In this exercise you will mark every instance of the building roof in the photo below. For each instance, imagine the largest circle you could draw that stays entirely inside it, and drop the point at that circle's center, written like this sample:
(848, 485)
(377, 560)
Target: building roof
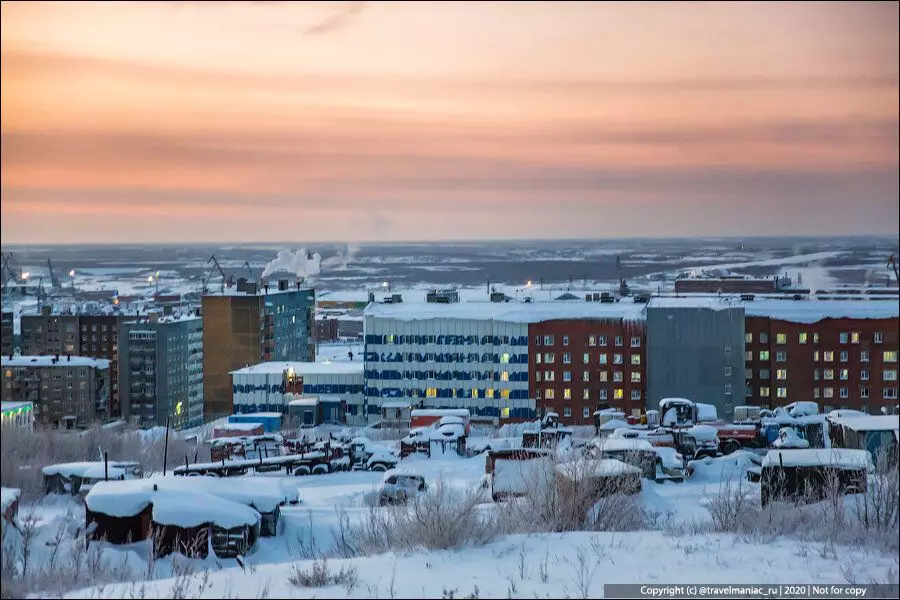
(304, 368)
(518, 312)
(5, 406)
(52, 361)
(812, 311)
(870, 422)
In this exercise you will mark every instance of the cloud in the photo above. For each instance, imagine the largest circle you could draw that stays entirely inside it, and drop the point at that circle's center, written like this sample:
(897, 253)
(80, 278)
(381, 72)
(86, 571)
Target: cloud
(337, 20)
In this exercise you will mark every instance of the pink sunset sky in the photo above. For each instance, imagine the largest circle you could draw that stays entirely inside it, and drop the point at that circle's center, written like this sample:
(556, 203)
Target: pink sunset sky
(333, 121)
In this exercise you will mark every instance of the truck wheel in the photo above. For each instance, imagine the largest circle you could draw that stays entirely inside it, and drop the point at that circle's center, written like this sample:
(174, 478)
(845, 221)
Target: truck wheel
(320, 469)
(378, 467)
(302, 470)
(730, 447)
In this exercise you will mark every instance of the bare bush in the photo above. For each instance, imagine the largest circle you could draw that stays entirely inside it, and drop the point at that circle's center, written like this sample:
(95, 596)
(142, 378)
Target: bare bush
(878, 510)
(438, 519)
(319, 575)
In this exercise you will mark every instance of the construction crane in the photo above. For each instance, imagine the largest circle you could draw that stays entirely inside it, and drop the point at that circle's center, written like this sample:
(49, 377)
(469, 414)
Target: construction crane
(54, 282)
(217, 266)
(892, 262)
(624, 290)
(246, 265)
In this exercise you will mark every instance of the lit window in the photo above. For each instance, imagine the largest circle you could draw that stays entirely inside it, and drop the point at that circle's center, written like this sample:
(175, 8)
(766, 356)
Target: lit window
(618, 394)
(829, 393)
(748, 356)
(635, 377)
(548, 393)
(586, 395)
(854, 337)
(890, 375)
(802, 338)
(748, 338)
(537, 359)
(390, 339)
(635, 359)
(845, 374)
(567, 394)
(816, 393)
(781, 374)
(549, 375)
(764, 391)
(829, 356)
(475, 392)
(537, 376)
(504, 376)
(782, 392)
(889, 356)
(549, 358)
(489, 393)
(586, 376)
(604, 376)
(763, 355)
(828, 373)
(586, 358)
(592, 340)
(431, 392)
(504, 358)
(781, 338)
(504, 394)
(504, 412)
(603, 359)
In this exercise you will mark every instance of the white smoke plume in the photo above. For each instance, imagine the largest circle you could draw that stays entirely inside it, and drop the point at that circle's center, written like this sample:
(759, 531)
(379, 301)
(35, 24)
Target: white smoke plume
(339, 261)
(301, 263)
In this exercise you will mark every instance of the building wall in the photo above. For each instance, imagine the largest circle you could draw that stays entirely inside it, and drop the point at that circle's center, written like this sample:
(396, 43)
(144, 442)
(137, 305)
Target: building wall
(7, 335)
(50, 334)
(137, 377)
(695, 353)
(326, 330)
(99, 338)
(264, 392)
(59, 390)
(599, 352)
(480, 364)
(835, 362)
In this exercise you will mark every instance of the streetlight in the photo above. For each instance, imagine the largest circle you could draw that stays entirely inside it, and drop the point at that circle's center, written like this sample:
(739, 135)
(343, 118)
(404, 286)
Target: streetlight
(25, 275)
(386, 285)
(72, 277)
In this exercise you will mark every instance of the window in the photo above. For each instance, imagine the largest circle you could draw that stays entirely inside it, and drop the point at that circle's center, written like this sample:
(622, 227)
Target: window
(617, 359)
(504, 376)
(603, 359)
(728, 389)
(567, 358)
(538, 394)
(586, 395)
(567, 375)
(635, 342)
(864, 375)
(879, 337)
(748, 356)
(815, 338)
(845, 337)
(601, 340)
(816, 355)
(619, 340)
(889, 394)
(548, 340)
(537, 359)
(781, 374)
(889, 356)
(781, 356)
(586, 376)
(603, 394)
(727, 371)
(765, 374)
(603, 376)
(802, 337)
(748, 338)
(567, 394)
(549, 375)
(863, 392)
(845, 393)
(635, 377)
(617, 376)
(781, 392)
(748, 373)
(565, 340)
(816, 393)
(489, 393)
(504, 358)
(592, 340)
(474, 392)
(781, 338)
(854, 337)
(585, 412)
(567, 412)
(829, 392)
(864, 356)
(764, 338)
(764, 391)
(618, 394)
(635, 394)
(586, 358)
(727, 352)
(635, 359)
(844, 374)
(890, 375)
(829, 373)
(845, 356)
(763, 355)
(829, 356)
(548, 394)
(549, 358)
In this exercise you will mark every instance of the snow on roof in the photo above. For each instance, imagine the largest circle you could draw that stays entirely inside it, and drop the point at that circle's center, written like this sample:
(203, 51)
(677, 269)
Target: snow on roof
(835, 457)
(176, 507)
(440, 412)
(53, 361)
(812, 311)
(532, 312)
(8, 496)
(703, 432)
(257, 415)
(239, 426)
(310, 401)
(614, 424)
(79, 468)
(870, 422)
(304, 368)
(605, 467)
(706, 412)
(615, 444)
(691, 301)
(5, 406)
(396, 404)
(404, 471)
(99, 471)
(448, 431)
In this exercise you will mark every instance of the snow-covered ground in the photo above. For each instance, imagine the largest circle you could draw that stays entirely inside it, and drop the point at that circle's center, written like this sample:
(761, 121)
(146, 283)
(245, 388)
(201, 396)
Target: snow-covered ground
(574, 564)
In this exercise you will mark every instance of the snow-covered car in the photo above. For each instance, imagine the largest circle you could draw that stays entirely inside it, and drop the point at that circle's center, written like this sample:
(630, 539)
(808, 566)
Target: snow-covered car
(399, 485)
(788, 438)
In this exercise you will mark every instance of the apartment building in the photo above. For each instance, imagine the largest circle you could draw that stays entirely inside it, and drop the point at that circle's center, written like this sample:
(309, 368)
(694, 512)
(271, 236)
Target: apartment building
(162, 370)
(578, 364)
(66, 391)
(839, 353)
(244, 326)
(50, 334)
(7, 333)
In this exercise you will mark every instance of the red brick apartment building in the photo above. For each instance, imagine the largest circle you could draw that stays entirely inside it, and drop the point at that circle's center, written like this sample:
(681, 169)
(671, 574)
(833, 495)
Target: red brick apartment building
(839, 362)
(576, 364)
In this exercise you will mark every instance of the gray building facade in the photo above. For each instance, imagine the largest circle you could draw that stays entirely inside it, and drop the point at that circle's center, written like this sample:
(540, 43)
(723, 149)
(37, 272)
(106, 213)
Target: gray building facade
(161, 375)
(7, 334)
(695, 350)
(50, 334)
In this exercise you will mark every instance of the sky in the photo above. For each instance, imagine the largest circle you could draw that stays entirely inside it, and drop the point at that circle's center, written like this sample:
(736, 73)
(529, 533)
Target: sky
(388, 121)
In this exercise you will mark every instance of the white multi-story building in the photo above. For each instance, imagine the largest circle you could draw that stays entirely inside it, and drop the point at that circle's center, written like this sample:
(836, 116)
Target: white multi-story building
(268, 387)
